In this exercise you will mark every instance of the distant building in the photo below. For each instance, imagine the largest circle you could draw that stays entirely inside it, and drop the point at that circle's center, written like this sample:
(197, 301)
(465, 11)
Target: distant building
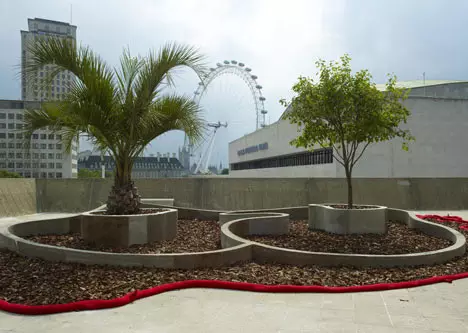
(144, 167)
(439, 114)
(45, 158)
(34, 88)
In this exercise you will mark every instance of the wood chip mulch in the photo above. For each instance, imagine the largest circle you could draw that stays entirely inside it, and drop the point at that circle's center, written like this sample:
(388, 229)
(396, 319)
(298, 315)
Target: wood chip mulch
(34, 281)
(192, 236)
(399, 239)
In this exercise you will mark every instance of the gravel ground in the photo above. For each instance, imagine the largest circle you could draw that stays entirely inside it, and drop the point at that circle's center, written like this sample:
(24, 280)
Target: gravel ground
(192, 236)
(399, 240)
(34, 281)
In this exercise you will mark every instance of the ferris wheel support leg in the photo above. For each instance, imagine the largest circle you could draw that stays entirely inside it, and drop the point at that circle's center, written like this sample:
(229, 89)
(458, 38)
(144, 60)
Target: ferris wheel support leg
(210, 150)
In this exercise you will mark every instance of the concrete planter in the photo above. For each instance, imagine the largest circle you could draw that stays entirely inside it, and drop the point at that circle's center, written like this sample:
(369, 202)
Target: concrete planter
(125, 230)
(370, 220)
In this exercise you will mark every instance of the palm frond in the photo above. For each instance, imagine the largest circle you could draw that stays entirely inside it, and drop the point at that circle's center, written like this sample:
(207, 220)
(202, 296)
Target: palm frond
(168, 113)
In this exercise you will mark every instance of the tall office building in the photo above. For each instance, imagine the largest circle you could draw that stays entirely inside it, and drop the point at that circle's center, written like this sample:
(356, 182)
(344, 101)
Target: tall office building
(47, 157)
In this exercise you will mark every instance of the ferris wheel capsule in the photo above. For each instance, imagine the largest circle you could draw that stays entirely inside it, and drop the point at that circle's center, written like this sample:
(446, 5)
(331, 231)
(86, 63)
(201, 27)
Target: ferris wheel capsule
(241, 64)
(233, 62)
(262, 98)
(258, 86)
(226, 62)
(264, 111)
(212, 69)
(219, 64)
(247, 69)
(254, 77)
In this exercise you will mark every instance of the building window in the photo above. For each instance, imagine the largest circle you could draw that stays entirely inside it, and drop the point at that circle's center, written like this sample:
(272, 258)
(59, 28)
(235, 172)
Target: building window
(35, 136)
(2, 115)
(11, 165)
(51, 136)
(58, 175)
(19, 165)
(27, 165)
(43, 174)
(43, 156)
(43, 136)
(58, 137)
(2, 125)
(3, 145)
(11, 154)
(35, 165)
(58, 165)
(19, 136)
(319, 156)
(36, 156)
(28, 155)
(19, 116)
(43, 146)
(19, 155)
(51, 146)
(58, 146)
(11, 135)
(19, 145)
(11, 126)
(43, 165)
(51, 165)
(2, 136)
(2, 165)
(11, 145)
(11, 116)
(2, 154)
(35, 146)
(50, 156)
(50, 175)
(19, 126)
(58, 156)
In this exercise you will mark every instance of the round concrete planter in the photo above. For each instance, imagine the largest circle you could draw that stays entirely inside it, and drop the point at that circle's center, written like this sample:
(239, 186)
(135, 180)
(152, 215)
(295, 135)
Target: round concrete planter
(369, 220)
(125, 230)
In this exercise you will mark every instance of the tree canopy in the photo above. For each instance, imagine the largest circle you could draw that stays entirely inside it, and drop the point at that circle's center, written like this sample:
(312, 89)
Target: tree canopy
(121, 110)
(346, 112)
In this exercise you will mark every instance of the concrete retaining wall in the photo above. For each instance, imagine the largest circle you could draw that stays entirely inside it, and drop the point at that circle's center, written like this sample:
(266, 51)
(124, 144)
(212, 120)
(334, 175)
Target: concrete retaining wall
(226, 194)
(17, 196)
(235, 248)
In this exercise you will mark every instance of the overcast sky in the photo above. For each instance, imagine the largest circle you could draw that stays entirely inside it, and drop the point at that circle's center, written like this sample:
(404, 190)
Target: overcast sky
(279, 40)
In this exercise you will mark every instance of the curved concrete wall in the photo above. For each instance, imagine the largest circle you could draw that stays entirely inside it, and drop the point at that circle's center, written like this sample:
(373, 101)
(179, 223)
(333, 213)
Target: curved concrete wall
(235, 247)
(348, 221)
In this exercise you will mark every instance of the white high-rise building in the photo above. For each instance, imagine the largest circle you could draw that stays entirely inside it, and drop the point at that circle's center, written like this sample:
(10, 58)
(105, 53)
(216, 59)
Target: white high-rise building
(47, 157)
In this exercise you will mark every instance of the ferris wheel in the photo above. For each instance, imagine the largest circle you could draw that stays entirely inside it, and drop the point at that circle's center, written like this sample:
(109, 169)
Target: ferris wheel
(240, 70)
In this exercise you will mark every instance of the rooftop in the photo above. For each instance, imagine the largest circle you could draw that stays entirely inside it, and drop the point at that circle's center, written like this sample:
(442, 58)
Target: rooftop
(419, 83)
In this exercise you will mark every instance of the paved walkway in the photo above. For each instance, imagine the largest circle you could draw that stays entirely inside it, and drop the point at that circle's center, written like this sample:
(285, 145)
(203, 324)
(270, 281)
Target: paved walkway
(435, 308)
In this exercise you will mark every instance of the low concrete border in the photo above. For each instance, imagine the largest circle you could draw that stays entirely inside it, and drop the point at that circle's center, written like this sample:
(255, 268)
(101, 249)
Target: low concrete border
(126, 230)
(235, 248)
(342, 221)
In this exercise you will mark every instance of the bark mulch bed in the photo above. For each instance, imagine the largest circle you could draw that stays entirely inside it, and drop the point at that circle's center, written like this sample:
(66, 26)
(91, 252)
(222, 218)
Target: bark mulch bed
(192, 236)
(34, 281)
(399, 239)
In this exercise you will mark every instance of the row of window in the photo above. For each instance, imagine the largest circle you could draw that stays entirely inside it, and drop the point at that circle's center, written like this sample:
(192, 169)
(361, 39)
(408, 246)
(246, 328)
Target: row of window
(11, 126)
(34, 136)
(319, 156)
(11, 115)
(36, 156)
(27, 174)
(27, 165)
(20, 145)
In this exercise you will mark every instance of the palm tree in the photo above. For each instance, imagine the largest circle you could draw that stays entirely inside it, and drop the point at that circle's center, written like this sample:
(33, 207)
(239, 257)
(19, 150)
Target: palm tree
(120, 110)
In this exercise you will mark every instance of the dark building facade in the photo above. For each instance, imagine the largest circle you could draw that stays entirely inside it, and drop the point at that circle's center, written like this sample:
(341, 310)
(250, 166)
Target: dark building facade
(144, 167)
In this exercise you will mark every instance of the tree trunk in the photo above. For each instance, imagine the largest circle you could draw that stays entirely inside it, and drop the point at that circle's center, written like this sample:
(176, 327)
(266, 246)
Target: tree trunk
(123, 198)
(350, 187)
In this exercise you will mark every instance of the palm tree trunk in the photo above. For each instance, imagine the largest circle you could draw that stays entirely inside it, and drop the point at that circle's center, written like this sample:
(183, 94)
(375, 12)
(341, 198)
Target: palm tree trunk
(123, 198)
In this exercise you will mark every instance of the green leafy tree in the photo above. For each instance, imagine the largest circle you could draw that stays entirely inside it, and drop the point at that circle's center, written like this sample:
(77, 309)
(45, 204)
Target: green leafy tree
(346, 112)
(121, 110)
(8, 174)
(225, 171)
